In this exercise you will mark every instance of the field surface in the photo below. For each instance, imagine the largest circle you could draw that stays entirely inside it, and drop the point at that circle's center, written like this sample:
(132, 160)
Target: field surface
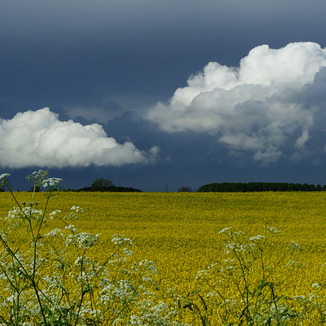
(179, 232)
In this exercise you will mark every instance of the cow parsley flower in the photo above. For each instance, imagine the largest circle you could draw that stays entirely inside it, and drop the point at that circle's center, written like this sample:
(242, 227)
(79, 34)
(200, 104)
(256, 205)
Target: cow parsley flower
(54, 233)
(316, 285)
(51, 182)
(4, 175)
(54, 213)
(273, 230)
(121, 240)
(225, 230)
(82, 240)
(257, 238)
(77, 209)
(71, 228)
(3, 178)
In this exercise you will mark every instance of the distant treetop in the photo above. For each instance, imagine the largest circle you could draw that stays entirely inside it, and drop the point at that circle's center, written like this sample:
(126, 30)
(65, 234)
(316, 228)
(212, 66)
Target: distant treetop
(107, 185)
(102, 184)
(185, 189)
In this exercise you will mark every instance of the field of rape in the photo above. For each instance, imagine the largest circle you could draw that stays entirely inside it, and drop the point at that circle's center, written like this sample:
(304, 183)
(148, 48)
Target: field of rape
(179, 232)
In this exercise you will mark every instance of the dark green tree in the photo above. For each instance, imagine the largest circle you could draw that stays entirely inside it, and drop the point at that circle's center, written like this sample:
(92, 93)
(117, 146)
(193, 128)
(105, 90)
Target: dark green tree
(185, 189)
(102, 184)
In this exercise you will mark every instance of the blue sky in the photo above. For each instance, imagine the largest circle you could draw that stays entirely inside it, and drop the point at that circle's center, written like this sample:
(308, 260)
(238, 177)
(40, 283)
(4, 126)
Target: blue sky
(163, 94)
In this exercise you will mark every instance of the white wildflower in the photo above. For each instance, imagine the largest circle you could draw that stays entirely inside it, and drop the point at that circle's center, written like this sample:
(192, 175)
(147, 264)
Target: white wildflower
(79, 260)
(239, 234)
(212, 294)
(272, 229)
(54, 213)
(148, 264)
(312, 297)
(225, 230)
(316, 285)
(201, 274)
(73, 214)
(14, 213)
(39, 173)
(32, 213)
(257, 238)
(37, 177)
(4, 175)
(213, 265)
(51, 182)
(121, 240)
(77, 209)
(127, 252)
(229, 246)
(26, 212)
(71, 228)
(82, 240)
(3, 179)
(55, 233)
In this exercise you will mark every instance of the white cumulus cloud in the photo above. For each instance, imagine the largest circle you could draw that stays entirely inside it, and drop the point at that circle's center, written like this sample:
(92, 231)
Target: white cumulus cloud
(39, 138)
(270, 102)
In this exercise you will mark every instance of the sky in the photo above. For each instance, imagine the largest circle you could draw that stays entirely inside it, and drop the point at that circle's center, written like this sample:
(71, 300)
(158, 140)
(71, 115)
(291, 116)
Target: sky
(159, 95)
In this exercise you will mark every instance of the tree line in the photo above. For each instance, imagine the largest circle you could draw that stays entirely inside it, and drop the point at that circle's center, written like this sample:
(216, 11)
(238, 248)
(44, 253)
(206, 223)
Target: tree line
(259, 186)
(105, 185)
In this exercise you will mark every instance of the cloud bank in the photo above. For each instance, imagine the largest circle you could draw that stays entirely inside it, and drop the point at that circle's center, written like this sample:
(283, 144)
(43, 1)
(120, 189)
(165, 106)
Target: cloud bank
(39, 138)
(268, 105)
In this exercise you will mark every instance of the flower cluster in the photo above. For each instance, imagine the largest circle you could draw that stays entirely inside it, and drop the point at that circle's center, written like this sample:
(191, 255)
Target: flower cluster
(82, 240)
(51, 182)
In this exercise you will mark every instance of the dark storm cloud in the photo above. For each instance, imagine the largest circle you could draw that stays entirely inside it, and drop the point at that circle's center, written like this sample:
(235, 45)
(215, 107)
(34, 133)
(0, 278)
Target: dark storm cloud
(73, 53)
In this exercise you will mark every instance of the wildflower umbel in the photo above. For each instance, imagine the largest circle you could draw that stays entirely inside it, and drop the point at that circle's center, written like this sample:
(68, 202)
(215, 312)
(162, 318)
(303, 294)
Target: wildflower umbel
(3, 178)
(4, 175)
(51, 182)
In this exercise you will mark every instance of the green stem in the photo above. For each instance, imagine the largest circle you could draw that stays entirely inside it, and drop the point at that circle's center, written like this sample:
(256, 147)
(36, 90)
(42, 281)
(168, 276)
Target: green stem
(28, 276)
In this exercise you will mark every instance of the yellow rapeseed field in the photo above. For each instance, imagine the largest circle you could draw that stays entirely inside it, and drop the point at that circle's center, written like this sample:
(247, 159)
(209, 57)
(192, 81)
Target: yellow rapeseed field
(179, 232)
